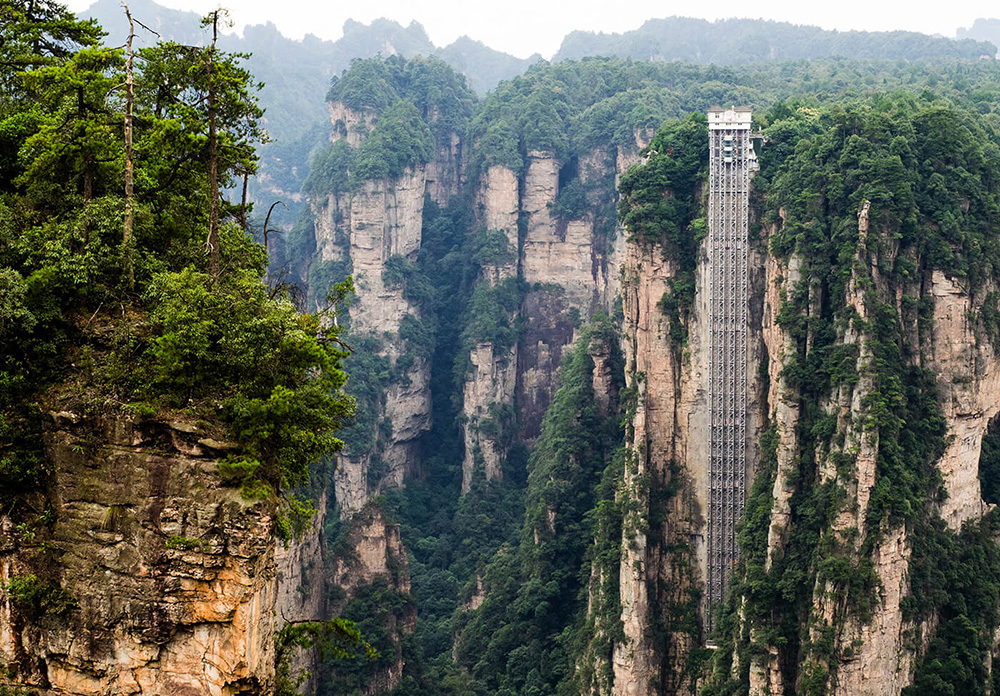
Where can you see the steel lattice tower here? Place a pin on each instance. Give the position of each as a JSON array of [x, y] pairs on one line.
[[731, 159]]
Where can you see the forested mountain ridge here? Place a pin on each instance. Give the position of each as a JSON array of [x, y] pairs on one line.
[[296, 73], [508, 269], [741, 41], [519, 504]]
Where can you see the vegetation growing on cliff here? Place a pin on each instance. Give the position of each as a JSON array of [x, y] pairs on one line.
[[150, 316], [661, 205], [928, 172], [531, 627], [586, 112]]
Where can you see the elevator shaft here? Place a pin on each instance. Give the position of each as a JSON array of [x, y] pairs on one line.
[[731, 158]]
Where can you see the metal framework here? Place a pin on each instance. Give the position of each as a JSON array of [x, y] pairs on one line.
[[731, 159]]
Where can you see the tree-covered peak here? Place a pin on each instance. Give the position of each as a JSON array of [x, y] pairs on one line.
[[430, 84]]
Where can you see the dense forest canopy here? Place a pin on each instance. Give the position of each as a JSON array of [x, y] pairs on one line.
[[186, 336], [514, 583]]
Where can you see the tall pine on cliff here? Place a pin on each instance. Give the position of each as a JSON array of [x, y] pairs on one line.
[[144, 327]]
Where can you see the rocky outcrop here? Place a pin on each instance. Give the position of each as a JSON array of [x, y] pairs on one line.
[[376, 555], [154, 577], [872, 652], [301, 592], [372, 228], [781, 278], [446, 171], [492, 374], [570, 270], [968, 382], [665, 486], [350, 124], [382, 222], [658, 571]]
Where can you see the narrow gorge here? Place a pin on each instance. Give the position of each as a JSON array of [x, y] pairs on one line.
[[568, 389]]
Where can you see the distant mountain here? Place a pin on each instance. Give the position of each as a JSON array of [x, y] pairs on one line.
[[982, 30], [739, 41], [297, 74], [483, 66]]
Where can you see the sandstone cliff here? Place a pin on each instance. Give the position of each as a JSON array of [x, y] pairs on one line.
[[141, 573], [373, 555], [663, 564], [569, 266], [370, 229], [874, 652]]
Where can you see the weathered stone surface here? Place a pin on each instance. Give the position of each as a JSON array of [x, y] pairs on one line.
[[381, 220], [490, 382], [172, 574], [968, 382], [301, 590], [350, 124], [492, 375], [446, 171], [377, 554]]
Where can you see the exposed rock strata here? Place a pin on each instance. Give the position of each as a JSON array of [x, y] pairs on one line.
[[377, 552], [172, 576], [570, 271], [366, 228], [875, 654]]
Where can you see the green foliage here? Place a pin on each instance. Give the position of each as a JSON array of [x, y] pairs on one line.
[[184, 543], [272, 374], [16, 691], [532, 624], [439, 94], [660, 204], [368, 84], [989, 465], [375, 609], [337, 639], [492, 248], [491, 311], [39, 34], [329, 171], [660, 199], [956, 576], [35, 598], [401, 139]]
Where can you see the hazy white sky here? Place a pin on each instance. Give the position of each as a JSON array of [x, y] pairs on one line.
[[523, 27]]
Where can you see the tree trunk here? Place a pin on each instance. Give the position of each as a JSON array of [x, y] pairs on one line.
[[127, 242], [243, 202], [213, 161]]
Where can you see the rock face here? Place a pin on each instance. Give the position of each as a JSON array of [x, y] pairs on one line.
[[492, 375], [371, 228], [968, 382], [663, 560], [875, 652], [377, 554], [170, 577], [665, 486], [570, 268], [301, 591], [350, 124]]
